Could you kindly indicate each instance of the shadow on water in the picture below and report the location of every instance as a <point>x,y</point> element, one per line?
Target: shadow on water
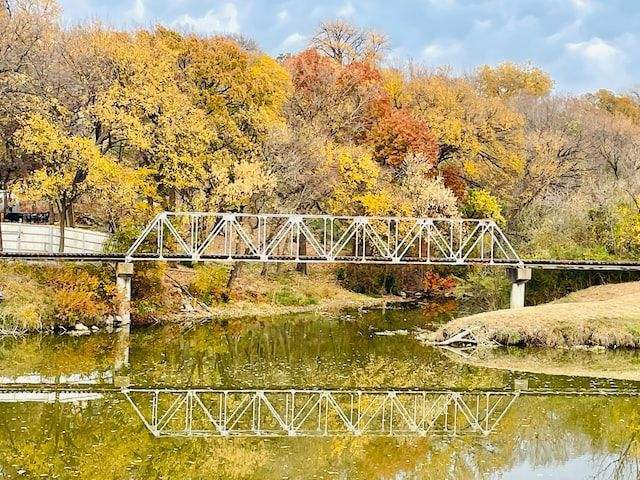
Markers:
<point>299,397</point>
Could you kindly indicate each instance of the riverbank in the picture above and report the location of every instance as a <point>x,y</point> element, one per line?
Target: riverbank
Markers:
<point>80,298</point>
<point>605,316</point>
<point>278,291</point>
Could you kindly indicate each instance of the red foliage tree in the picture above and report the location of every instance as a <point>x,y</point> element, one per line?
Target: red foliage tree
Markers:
<point>398,133</point>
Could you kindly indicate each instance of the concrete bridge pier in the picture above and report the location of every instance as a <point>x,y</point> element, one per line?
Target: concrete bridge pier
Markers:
<point>124,272</point>
<point>518,277</point>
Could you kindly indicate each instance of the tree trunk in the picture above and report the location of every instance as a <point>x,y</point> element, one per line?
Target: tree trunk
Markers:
<point>235,270</point>
<point>71,220</point>
<point>302,252</point>
<point>63,224</point>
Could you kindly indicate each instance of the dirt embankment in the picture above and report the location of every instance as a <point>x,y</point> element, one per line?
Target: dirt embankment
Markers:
<point>606,316</point>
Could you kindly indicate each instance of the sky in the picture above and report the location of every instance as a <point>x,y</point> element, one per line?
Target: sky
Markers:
<point>584,44</point>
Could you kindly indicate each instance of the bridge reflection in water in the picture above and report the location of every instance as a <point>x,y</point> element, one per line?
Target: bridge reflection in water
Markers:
<point>317,413</point>
<point>208,412</point>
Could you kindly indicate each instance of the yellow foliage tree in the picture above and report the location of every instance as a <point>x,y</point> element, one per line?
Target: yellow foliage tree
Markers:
<point>359,184</point>
<point>69,167</point>
<point>509,79</point>
<point>480,137</point>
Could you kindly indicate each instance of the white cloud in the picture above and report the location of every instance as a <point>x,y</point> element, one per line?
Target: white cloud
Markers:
<point>295,40</point>
<point>482,24</point>
<point>224,20</point>
<point>283,15</point>
<point>438,51</point>
<point>346,10</point>
<point>597,52</point>
<point>581,4</point>
<point>137,10</point>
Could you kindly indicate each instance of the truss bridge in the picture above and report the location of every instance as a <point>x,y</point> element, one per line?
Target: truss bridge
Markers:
<point>322,239</point>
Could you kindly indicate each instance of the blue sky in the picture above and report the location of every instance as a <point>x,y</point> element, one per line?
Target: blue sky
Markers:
<point>584,44</point>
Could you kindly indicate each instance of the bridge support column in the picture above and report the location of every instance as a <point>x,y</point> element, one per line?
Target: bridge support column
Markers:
<point>124,272</point>
<point>518,277</point>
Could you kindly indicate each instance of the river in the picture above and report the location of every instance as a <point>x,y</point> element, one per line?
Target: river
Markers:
<point>83,413</point>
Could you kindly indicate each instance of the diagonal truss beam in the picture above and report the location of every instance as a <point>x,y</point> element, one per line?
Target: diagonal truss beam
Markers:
<point>199,236</point>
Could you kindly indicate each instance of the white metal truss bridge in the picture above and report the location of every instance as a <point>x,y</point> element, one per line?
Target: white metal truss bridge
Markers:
<point>194,236</point>
<point>317,413</point>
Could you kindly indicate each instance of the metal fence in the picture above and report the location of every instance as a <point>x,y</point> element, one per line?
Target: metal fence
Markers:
<point>29,238</point>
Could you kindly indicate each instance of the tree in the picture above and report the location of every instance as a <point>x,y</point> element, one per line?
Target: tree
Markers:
<point>509,79</point>
<point>346,43</point>
<point>397,134</point>
<point>68,167</point>
<point>481,138</point>
<point>627,105</point>
<point>194,111</point>
<point>337,101</point>
<point>26,28</point>
<point>360,187</point>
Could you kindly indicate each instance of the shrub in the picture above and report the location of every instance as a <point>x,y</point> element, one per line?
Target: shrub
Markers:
<point>209,283</point>
<point>38,296</point>
<point>288,297</point>
<point>150,296</point>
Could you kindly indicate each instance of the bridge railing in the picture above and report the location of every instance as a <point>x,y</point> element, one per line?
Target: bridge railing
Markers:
<point>322,238</point>
<point>32,238</point>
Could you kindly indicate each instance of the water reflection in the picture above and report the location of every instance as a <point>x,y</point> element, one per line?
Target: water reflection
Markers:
<point>548,435</point>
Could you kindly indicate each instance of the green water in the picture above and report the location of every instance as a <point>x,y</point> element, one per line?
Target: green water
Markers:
<point>100,435</point>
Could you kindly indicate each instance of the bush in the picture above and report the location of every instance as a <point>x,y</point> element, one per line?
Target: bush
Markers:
<point>288,297</point>
<point>39,296</point>
<point>484,288</point>
<point>150,296</point>
<point>385,279</point>
<point>209,283</point>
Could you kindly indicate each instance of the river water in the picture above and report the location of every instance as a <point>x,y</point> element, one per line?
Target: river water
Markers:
<point>83,413</point>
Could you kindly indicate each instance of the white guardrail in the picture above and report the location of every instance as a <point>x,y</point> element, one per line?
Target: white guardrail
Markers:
<point>30,238</point>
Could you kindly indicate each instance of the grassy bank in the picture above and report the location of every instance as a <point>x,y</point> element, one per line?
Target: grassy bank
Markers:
<point>606,315</point>
<point>256,292</point>
<point>39,297</point>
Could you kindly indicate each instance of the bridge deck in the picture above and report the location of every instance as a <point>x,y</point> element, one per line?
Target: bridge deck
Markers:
<point>552,264</point>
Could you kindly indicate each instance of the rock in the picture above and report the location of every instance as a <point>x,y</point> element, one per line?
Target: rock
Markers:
<point>403,294</point>
<point>108,320</point>
<point>79,333</point>
<point>389,333</point>
<point>81,327</point>
<point>94,328</point>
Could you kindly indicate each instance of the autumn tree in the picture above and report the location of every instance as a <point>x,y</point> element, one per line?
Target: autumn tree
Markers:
<point>509,79</point>
<point>68,167</point>
<point>398,133</point>
<point>337,101</point>
<point>26,29</point>
<point>346,43</point>
<point>624,104</point>
<point>480,137</point>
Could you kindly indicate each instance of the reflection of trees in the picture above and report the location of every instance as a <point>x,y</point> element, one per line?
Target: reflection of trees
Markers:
<point>105,440</point>
<point>296,351</point>
<point>52,355</point>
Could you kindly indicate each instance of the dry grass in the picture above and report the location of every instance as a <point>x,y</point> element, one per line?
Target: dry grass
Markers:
<point>607,316</point>
<point>282,292</point>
